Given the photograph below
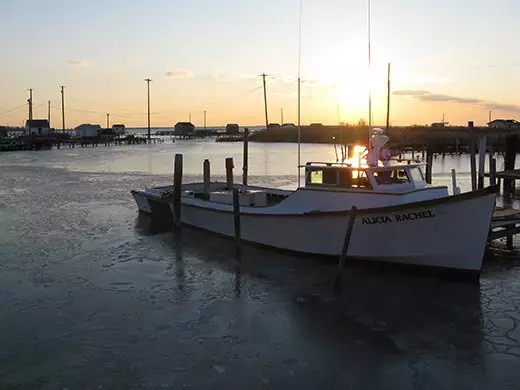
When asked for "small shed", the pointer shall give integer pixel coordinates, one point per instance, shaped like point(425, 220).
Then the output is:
point(232, 128)
point(184, 128)
point(118, 129)
point(87, 130)
point(37, 127)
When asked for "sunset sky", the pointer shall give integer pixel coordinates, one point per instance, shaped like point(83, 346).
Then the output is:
point(454, 57)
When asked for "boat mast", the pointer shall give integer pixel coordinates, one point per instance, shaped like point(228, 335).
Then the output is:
point(369, 84)
point(299, 82)
point(388, 102)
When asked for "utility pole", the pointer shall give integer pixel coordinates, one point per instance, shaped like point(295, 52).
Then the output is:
point(489, 119)
point(63, 107)
point(204, 120)
point(108, 120)
point(190, 117)
point(281, 116)
point(388, 102)
point(265, 101)
point(30, 104)
point(148, 84)
point(49, 113)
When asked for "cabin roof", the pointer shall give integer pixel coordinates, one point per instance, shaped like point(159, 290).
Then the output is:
point(329, 165)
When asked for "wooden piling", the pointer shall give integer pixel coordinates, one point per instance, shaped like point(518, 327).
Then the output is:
point(456, 190)
point(245, 157)
point(236, 217)
point(473, 164)
point(207, 175)
point(344, 249)
point(177, 184)
point(509, 162)
point(482, 145)
point(492, 171)
point(229, 172)
point(429, 164)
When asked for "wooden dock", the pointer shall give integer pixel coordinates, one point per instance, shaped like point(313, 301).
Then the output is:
point(505, 224)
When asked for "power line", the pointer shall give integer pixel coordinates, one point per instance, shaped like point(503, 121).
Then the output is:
point(12, 109)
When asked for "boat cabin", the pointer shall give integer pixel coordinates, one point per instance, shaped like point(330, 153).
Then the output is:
point(393, 178)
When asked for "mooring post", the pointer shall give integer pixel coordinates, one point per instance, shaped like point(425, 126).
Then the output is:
point(177, 184)
point(429, 164)
point(509, 163)
point(206, 170)
point(492, 171)
point(482, 145)
point(473, 164)
point(344, 249)
point(236, 215)
point(456, 190)
point(245, 157)
point(229, 172)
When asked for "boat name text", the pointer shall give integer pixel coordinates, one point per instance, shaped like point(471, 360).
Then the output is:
point(397, 217)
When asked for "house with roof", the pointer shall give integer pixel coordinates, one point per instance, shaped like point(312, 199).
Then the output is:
point(118, 129)
point(504, 124)
point(87, 130)
point(37, 127)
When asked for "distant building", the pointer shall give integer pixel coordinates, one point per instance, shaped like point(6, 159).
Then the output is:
point(37, 127)
point(288, 125)
point(184, 128)
point(87, 130)
point(273, 126)
point(119, 129)
point(3, 133)
point(232, 128)
point(438, 125)
point(504, 124)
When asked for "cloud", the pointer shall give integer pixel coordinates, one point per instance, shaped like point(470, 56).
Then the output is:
point(180, 74)
point(427, 96)
point(78, 62)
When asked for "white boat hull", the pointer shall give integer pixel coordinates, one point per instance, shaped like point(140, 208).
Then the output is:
point(450, 232)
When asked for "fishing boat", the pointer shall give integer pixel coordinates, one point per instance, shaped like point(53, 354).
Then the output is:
point(399, 217)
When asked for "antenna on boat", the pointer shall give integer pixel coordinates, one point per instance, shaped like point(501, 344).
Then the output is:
point(369, 84)
point(299, 82)
point(388, 102)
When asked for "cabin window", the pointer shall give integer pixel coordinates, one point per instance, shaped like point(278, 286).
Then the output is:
point(316, 177)
point(323, 176)
point(416, 174)
point(395, 176)
point(359, 179)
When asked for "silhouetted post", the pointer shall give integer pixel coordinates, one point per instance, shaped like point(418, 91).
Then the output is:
point(108, 120)
point(177, 184)
point(49, 113)
point(148, 87)
point(456, 190)
point(30, 104)
point(509, 162)
point(482, 145)
point(473, 164)
point(204, 120)
point(229, 172)
point(236, 217)
point(492, 171)
point(265, 101)
point(344, 249)
point(429, 164)
point(206, 169)
point(245, 157)
point(63, 107)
